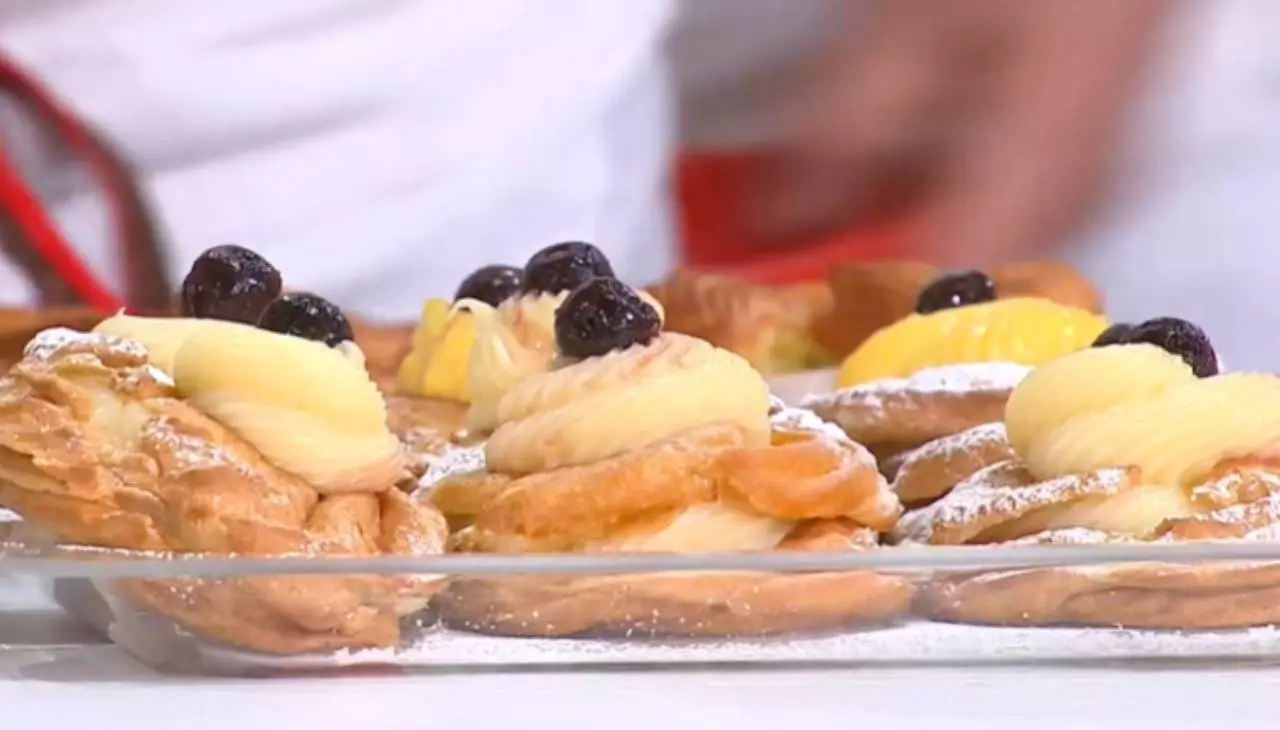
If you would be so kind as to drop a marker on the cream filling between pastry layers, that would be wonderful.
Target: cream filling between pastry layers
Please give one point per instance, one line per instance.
(705, 528)
(1174, 428)
(309, 409)
(702, 528)
(1136, 512)
(605, 406)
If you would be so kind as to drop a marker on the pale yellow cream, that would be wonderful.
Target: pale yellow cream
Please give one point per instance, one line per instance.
(309, 409)
(1136, 405)
(629, 399)
(514, 342)
(161, 336)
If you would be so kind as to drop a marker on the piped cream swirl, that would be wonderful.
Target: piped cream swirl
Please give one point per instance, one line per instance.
(1136, 405)
(515, 341)
(604, 406)
(309, 409)
(161, 336)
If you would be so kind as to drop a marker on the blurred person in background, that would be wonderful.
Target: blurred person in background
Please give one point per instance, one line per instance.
(1136, 139)
(377, 151)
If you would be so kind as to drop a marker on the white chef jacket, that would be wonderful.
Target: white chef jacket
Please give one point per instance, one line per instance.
(376, 151)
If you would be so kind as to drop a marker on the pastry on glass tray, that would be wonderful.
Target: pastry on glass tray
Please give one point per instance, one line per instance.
(447, 385)
(168, 437)
(643, 441)
(1138, 440)
(950, 366)
(770, 326)
(867, 297)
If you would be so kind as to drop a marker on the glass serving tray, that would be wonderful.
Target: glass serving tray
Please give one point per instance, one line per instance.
(728, 612)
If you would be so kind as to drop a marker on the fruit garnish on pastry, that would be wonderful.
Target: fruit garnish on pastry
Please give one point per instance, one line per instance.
(230, 283)
(515, 340)
(616, 364)
(1160, 414)
(870, 296)
(958, 320)
(264, 440)
(639, 440)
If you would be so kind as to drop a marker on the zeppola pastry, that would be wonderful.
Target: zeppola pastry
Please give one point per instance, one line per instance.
(870, 296)
(772, 327)
(1136, 440)
(207, 435)
(638, 440)
(896, 415)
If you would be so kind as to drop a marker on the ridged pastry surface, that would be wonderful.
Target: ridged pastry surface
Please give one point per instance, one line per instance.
(1135, 405)
(630, 399)
(311, 410)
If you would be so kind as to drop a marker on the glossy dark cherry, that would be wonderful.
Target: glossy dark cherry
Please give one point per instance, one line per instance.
(955, 290)
(1182, 338)
(491, 284)
(564, 267)
(308, 316)
(1116, 334)
(603, 315)
(229, 282)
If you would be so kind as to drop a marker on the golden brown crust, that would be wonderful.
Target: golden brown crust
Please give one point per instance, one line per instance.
(866, 297)
(1239, 501)
(385, 347)
(769, 326)
(579, 504)
(893, 416)
(923, 475)
(95, 447)
(1047, 280)
(687, 605)
(812, 489)
(1146, 596)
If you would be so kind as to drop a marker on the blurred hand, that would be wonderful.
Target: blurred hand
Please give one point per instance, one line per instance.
(995, 119)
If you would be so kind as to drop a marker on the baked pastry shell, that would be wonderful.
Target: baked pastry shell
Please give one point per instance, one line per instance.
(685, 605)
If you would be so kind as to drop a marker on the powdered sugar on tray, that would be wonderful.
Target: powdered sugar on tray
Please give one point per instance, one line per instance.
(912, 643)
(954, 379)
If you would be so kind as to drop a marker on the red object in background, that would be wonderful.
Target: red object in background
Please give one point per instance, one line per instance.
(710, 200)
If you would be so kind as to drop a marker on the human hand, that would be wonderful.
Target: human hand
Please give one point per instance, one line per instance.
(996, 118)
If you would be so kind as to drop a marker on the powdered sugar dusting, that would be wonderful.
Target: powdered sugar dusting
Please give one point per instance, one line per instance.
(948, 446)
(982, 500)
(161, 643)
(51, 342)
(950, 379)
(454, 461)
(800, 419)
